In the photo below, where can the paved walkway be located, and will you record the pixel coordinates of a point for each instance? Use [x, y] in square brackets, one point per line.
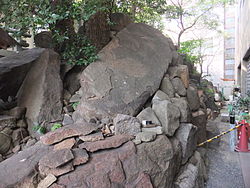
[224, 169]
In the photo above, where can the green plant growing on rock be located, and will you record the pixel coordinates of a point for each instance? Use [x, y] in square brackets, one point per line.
[75, 104]
[39, 129]
[56, 126]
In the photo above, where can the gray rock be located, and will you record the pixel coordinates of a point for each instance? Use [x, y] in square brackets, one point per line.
[157, 130]
[22, 123]
[7, 121]
[119, 81]
[180, 71]
[47, 181]
[125, 124]
[183, 106]
[44, 39]
[67, 120]
[68, 109]
[18, 135]
[5, 141]
[179, 87]
[17, 112]
[169, 116]
[149, 115]
[160, 96]
[41, 91]
[187, 136]
[146, 136]
[120, 21]
[13, 70]
[80, 156]
[199, 119]
[188, 178]
[75, 98]
[167, 86]
[193, 98]
[21, 165]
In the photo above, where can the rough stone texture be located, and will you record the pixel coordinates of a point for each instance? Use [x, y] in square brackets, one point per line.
[179, 87]
[67, 120]
[5, 142]
[183, 106]
[187, 136]
[44, 170]
[188, 178]
[119, 82]
[56, 159]
[180, 71]
[168, 115]
[149, 115]
[17, 112]
[22, 165]
[146, 136]
[160, 96]
[120, 21]
[125, 124]
[167, 86]
[92, 137]
[110, 142]
[46, 182]
[124, 167]
[58, 135]
[80, 156]
[193, 98]
[43, 39]
[7, 121]
[157, 130]
[18, 135]
[199, 119]
[66, 144]
[6, 40]
[13, 70]
[41, 91]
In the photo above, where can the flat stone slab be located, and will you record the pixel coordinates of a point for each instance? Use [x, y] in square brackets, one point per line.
[92, 137]
[60, 134]
[81, 156]
[110, 142]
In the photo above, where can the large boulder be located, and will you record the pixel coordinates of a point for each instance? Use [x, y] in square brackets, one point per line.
[41, 91]
[183, 106]
[186, 134]
[13, 70]
[167, 86]
[179, 87]
[169, 116]
[199, 119]
[193, 98]
[149, 115]
[119, 82]
[22, 165]
[180, 71]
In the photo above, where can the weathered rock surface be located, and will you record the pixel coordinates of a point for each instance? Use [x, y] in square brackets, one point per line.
[7, 121]
[179, 87]
[47, 181]
[5, 141]
[41, 91]
[124, 167]
[168, 115]
[157, 130]
[160, 96]
[167, 86]
[180, 71]
[22, 165]
[17, 112]
[110, 142]
[193, 98]
[146, 136]
[119, 82]
[68, 131]
[199, 119]
[66, 144]
[125, 124]
[120, 21]
[92, 137]
[13, 70]
[183, 106]
[149, 115]
[67, 120]
[186, 134]
[44, 39]
[80, 156]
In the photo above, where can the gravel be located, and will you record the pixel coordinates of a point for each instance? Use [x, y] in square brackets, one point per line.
[224, 169]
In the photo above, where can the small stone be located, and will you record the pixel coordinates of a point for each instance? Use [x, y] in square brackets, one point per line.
[16, 149]
[56, 158]
[66, 144]
[30, 142]
[44, 170]
[17, 112]
[110, 142]
[68, 109]
[55, 185]
[92, 137]
[7, 121]
[22, 123]
[157, 130]
[67, 120]
[137, 142]
[81, 156]
[75, 98]
[146, 136]
[125, 124]
[18, 135]
[46, 182]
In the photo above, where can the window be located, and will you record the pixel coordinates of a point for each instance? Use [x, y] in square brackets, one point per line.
[229, 72]
[230, 51]
[229, 61]
[230, 42]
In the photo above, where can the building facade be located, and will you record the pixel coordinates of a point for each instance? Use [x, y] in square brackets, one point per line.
[242, 65]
